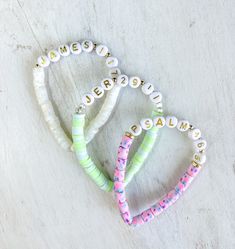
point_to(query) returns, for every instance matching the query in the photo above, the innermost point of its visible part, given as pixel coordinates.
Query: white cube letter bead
(200, 145)
(135, 130)
(107, 84)
(159, 122)
(97, 92)
(122, 80)
(43, 61)
(87, 46)
(75, 48)
(64, 50)
(194, 134)
(155, 97)
(114, 72)
(53, 55)
(134, 81)
(199, 158)
(183, 125)
(88, 99)
(171, 121)
(111, 62)
(147, 88)
(146, 123)
(101, 50)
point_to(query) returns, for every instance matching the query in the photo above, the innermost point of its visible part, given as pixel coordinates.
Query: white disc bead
(135, 130)
(194, 134)
(146, 123)
(43, 61)
(159, 122)
(75, 48)
(88, 99)
(101, 50)
(107, 84)
(114, 72)
(97, 92)
(155, 97)
(183, 125)
(111, 62)
(64, 50)
(53, 55)
(171, 121)
(200, 144)
(122, 80)
(147, 88)
(199, 158)
(87, 46)
(134, 82)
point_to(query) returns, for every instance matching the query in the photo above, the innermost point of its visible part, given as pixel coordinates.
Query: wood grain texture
(186, 48)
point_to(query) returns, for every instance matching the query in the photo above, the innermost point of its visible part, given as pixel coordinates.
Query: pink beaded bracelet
(119, 174)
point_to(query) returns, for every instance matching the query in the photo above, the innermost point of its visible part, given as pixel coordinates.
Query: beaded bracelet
(43, 99)
(119, 175)
(79, 144)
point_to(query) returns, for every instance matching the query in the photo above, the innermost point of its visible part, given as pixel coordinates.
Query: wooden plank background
(186, 48)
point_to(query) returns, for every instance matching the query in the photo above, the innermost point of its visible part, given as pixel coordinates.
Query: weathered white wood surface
(186, 48)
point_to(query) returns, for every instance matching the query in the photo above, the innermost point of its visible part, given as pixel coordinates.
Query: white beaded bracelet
(47, 108)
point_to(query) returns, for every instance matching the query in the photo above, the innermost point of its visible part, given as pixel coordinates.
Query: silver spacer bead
(81, 109)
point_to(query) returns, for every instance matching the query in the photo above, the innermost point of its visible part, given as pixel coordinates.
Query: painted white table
(186, 48)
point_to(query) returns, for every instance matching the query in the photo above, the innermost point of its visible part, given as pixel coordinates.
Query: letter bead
(53, 55)
(64, 50)
(147, 88)
(107, 84)
(43, 61)
(88, 99)
(146, 123)
(155, 97)
(114, 73)
(171, 121)
(183, 125)
(200, 145)
(75, 48)
(134, 82)
(199, 158)
(122, 80)
(87, 46)
(97, 92)
(111, 62)
(159, 122)
(135, 130)
(194, 134)
(101, 50)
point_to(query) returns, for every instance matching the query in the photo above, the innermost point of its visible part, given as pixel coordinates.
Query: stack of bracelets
(82, 136)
